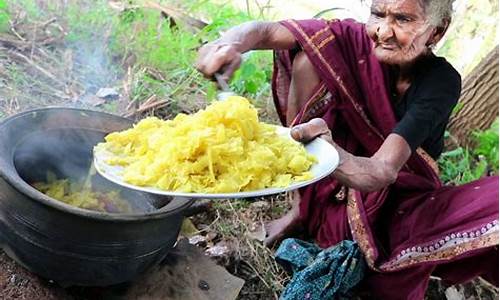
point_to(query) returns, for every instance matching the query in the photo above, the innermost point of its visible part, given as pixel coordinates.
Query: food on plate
(221, 149)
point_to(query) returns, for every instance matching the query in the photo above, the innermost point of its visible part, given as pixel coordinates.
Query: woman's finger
(218, 59)
(204, 58)
(308, 131)
(232, 67)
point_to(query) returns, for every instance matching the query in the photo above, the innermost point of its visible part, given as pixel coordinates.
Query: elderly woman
(378, 93)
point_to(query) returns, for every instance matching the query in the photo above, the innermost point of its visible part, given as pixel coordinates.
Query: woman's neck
(406, 71)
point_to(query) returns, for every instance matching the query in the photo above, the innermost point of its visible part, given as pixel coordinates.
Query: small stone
(198, 240)
(219, 250)
(203, 285)
(107, 93)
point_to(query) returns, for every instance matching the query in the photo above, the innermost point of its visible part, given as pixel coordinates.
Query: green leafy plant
(487, 146)
(458, 166)
(254, 75)
(462, 165)
(4, 16)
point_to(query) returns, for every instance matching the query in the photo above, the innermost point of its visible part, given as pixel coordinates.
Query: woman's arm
(224, 54)
(362, 173)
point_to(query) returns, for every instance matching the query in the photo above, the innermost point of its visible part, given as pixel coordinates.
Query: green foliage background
(4, 15)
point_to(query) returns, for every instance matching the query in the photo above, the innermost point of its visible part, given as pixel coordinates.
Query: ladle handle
(224, 86)
(222, 82)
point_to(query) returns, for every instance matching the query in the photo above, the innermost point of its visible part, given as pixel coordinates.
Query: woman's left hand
(306, 132)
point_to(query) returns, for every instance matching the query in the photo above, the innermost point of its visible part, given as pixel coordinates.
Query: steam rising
(68, 154)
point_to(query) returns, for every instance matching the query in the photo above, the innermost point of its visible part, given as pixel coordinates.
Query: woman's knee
(303, 68)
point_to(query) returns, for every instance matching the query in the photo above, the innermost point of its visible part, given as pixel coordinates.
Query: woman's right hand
(306, 132)
(218, 57)
(224, 55)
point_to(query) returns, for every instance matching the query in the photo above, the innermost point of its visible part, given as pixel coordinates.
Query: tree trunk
(478, 104)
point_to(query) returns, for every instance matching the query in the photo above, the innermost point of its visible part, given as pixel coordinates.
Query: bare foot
(279, 229)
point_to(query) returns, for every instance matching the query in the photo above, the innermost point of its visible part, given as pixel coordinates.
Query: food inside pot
(82, 194)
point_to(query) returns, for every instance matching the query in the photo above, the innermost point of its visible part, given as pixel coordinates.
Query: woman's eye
(377, 14)
(403, 19)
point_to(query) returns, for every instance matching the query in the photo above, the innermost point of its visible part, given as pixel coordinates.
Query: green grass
(4, 16)
(487, 146)
(462, 165)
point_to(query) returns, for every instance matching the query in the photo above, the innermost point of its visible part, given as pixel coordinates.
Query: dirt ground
(18, 283)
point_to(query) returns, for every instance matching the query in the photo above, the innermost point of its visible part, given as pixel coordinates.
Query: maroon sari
(415, 227)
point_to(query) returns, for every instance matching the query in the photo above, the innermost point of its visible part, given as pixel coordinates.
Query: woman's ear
(439, 32)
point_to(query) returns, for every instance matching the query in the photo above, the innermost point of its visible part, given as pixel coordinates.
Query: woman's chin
(393, 57)
(384, 57)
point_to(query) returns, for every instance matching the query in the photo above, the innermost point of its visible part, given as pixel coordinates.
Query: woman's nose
(384, 31)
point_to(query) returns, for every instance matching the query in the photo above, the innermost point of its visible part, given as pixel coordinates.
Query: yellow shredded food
(83, 196)
(221, 149)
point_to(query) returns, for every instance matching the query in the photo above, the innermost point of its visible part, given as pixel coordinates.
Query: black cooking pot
(70, 245)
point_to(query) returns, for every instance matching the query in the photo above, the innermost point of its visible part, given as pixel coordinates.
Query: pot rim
(24, 188)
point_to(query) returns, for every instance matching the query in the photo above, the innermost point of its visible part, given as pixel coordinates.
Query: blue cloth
(320, 273)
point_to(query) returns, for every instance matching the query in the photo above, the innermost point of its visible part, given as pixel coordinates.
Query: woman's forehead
(400, 6)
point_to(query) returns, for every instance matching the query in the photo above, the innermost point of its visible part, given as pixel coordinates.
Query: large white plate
(327, 156)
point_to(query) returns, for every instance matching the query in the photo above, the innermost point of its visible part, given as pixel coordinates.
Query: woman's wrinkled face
(399, 29)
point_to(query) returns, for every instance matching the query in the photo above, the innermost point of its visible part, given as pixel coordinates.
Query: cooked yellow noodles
(221, 149)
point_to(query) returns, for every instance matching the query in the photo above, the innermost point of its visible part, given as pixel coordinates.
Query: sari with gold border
(411, 228)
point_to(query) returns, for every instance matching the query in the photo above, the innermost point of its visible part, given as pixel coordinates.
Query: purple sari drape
(412, 228)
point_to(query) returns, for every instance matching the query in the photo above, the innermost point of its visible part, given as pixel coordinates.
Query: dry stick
(488, 285)
(154, 105)
(36, 66)
(48, 22)
(15, 32)
(217, 218)
(33, 41)
(149, 100)
(176, 15)
(126, 88)
(48, 56)
(12, 43)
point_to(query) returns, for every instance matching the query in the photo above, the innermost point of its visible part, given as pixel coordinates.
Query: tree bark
(478, 103)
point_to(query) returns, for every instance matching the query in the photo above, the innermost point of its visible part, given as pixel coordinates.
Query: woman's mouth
(390, 47)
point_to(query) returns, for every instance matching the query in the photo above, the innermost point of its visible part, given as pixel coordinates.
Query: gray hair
(438, 11)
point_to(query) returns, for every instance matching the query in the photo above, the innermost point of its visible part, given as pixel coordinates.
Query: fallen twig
(176, 15)
(38, 67)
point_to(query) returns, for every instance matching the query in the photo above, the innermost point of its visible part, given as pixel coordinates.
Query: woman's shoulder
(435, 75)
(437, 67)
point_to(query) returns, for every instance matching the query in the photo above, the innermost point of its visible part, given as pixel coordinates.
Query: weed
(487, 146)
(462, 165)
(4, 16)
(254, 76)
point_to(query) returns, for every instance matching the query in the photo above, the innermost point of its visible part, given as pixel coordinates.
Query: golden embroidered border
(319, 32)
(326, 41)
(358, 229)
(318, 95)
(485, 241)
(337, 78)
(429, 160)
(360, 234)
